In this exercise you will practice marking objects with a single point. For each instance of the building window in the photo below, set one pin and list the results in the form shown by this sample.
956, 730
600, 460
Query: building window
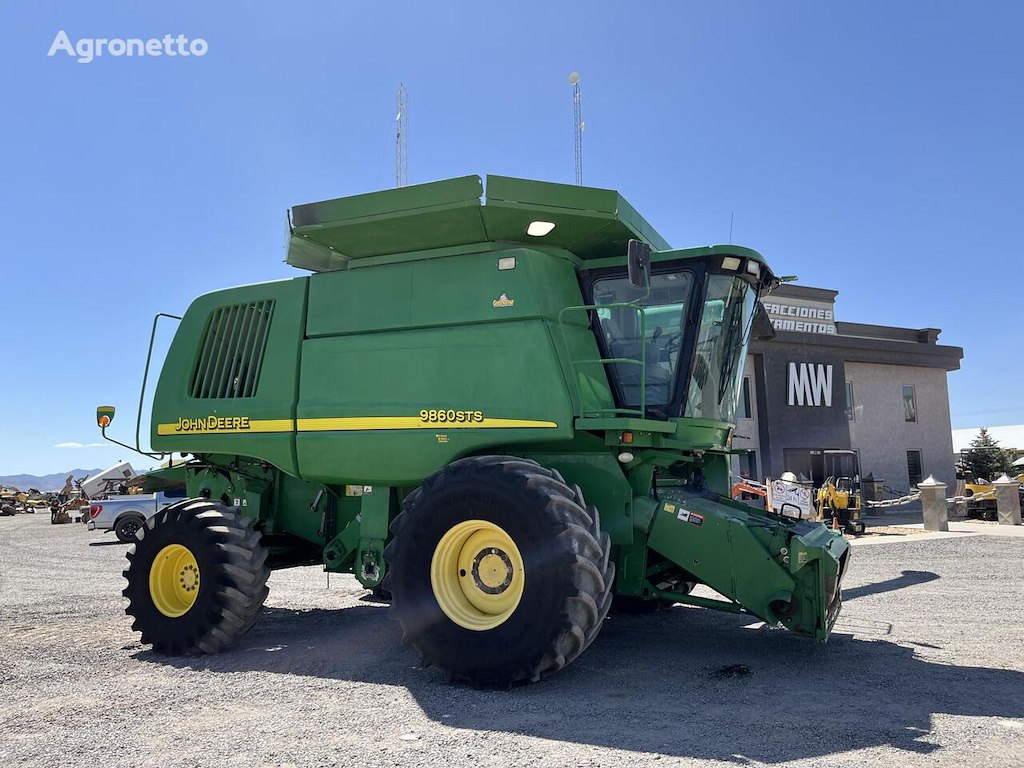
909, 403
914, 468
849, 401
745, 410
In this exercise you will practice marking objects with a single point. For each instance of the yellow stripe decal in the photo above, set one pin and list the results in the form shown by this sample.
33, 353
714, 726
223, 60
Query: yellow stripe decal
414, 422
225, 426
230, 426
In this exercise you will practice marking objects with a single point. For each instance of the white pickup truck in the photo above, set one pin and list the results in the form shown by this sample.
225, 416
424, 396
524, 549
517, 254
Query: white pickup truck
124, 515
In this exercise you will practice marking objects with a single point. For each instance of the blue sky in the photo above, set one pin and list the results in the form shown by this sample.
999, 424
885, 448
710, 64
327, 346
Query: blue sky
870, 147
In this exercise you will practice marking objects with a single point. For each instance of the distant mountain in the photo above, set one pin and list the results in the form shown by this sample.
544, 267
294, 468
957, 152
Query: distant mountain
54, 482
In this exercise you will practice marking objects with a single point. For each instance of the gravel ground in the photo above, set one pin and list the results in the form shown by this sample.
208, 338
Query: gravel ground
925, 669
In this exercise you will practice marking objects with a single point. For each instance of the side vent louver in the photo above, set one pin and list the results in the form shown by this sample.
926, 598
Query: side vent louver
231, 355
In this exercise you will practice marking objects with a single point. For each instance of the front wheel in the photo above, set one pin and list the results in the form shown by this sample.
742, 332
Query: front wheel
499, 573
197, 578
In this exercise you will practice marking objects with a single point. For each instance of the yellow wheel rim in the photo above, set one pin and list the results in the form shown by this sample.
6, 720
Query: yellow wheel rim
174, 580
477, 575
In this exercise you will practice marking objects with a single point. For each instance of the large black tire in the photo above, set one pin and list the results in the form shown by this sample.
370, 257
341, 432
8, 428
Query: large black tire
127, 527
567, 583
232, 582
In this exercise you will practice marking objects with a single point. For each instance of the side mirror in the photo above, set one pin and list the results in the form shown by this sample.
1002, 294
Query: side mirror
104, 415
638, 262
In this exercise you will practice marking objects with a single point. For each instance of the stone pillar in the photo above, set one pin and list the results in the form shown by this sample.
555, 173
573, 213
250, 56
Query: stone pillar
1007, 500
933, 503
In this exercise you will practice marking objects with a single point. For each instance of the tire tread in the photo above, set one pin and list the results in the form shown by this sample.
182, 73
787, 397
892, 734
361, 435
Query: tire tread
240, 576
593, 573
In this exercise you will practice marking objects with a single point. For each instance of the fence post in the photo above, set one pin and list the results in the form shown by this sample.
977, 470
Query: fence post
1007, 500
933, 504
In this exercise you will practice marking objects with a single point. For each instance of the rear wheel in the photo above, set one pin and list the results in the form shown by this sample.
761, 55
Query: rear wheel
499, 573
197, 578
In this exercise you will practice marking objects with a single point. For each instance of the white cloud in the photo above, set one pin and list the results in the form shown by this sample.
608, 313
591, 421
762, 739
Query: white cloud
79, 445
1008, 436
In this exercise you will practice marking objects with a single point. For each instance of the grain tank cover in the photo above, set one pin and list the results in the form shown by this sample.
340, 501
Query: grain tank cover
592, 223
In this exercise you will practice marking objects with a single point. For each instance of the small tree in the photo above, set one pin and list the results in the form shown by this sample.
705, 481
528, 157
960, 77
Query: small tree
985, 458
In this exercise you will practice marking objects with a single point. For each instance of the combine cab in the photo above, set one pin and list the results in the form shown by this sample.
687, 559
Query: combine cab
503, 412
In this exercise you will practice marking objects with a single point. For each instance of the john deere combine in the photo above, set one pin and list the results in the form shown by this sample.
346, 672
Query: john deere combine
503, 411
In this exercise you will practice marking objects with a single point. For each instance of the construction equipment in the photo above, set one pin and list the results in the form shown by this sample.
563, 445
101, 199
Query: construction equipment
839, 502
36, 501
745, 489
59, 516
839, 497
70, 500
502, 412
14, 501
981, 495
981, 498
10, 505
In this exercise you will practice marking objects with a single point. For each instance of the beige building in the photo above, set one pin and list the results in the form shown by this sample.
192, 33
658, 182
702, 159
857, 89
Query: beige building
822, 384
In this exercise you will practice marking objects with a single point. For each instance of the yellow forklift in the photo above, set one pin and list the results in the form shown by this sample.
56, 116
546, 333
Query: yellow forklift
839, 497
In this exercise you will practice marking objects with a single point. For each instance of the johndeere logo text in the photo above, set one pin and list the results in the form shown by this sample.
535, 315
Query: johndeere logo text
210, 423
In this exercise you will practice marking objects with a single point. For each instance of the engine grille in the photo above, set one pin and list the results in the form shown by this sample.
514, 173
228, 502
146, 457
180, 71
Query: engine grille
231, 355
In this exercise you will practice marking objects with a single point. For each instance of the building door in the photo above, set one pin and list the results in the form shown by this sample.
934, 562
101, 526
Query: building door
805, 463
809, 463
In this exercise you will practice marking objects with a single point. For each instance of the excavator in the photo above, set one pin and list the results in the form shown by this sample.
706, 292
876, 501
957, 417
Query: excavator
839, 497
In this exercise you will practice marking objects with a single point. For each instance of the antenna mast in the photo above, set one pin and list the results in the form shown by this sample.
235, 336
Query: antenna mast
402, 138
577, 125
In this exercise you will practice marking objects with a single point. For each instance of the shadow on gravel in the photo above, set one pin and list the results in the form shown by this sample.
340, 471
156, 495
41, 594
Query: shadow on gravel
906, 579
113, 543
665, 683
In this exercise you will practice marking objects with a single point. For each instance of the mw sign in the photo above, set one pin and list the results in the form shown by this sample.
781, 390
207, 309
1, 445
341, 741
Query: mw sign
810, 384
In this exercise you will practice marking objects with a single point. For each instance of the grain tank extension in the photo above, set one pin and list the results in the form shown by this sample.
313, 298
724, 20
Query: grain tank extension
505, 411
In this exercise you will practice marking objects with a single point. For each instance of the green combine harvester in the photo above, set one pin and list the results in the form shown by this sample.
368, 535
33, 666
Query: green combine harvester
506, 411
